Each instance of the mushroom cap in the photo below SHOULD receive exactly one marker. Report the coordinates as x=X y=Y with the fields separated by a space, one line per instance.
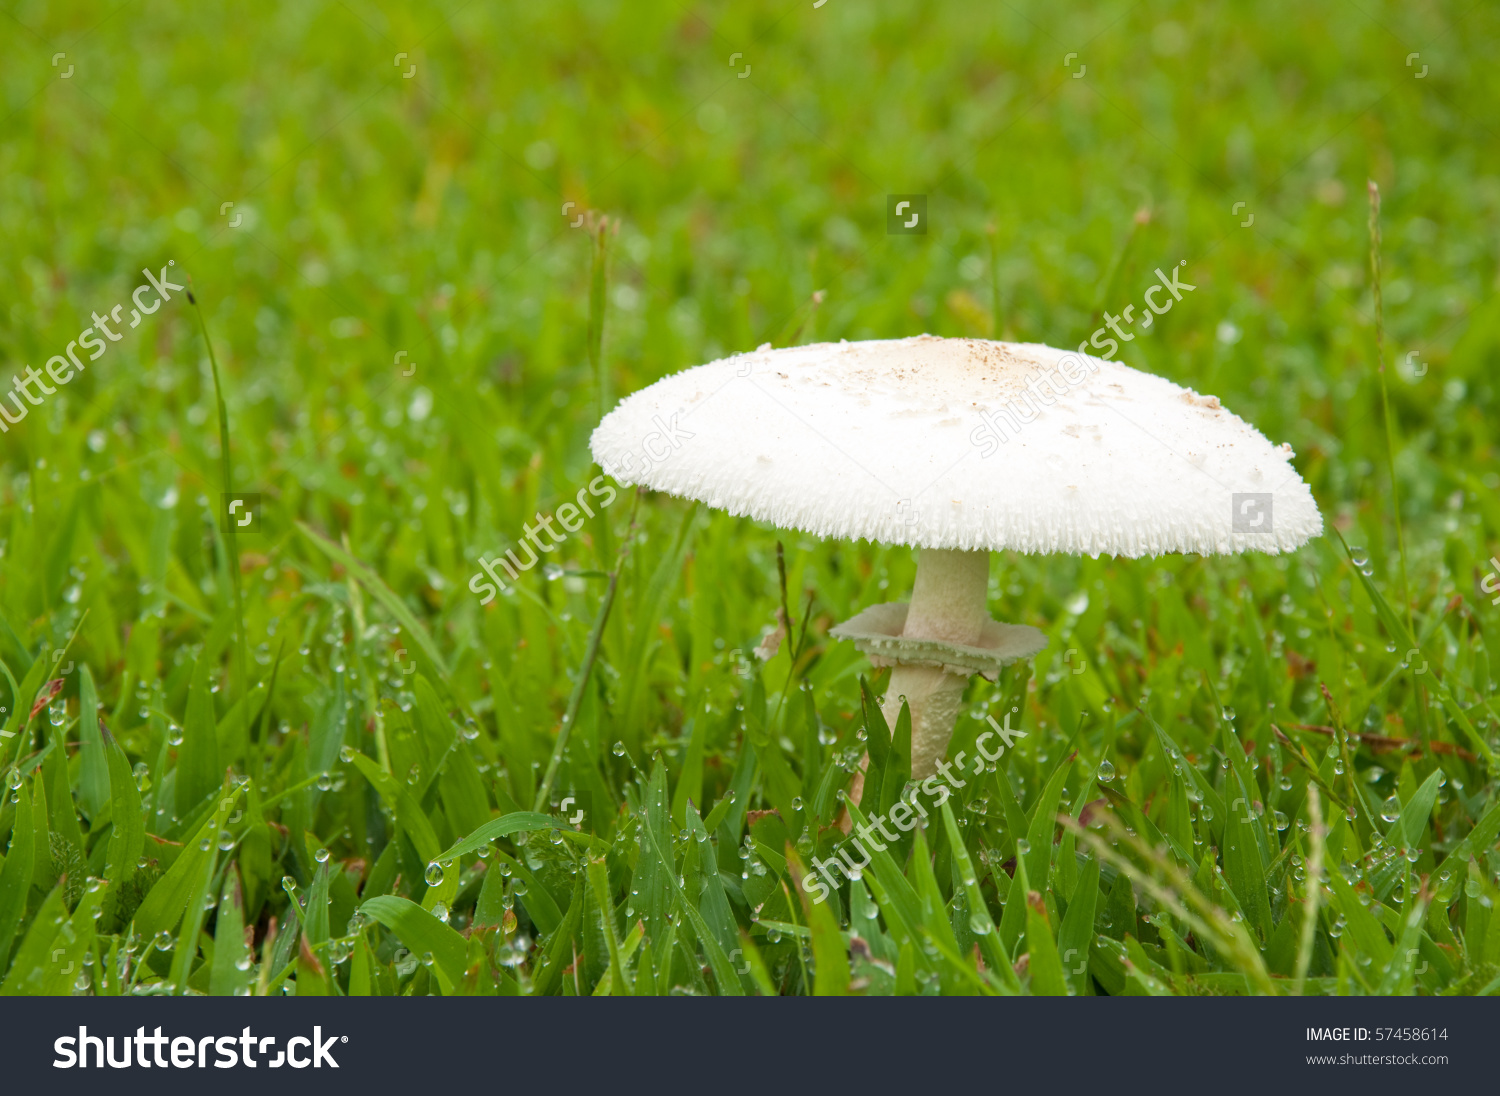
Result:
x=962 y=443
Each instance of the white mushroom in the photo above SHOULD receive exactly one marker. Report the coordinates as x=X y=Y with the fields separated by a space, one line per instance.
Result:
x=958 y=447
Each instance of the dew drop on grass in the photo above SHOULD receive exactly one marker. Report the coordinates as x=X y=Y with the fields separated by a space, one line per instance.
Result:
x=1285 y=783
x=980 y=924
x=226 y=840
x=325 y=781
x=321 y=856
x=346 y=754
x=1023 y=847
x=1282 y=821
x=1206 y=813
x=1390 y=810
x=440 y=911
x=618 y=749
x=163 y=941
x=520 y=887
x=796 y=803
x=1105 y=772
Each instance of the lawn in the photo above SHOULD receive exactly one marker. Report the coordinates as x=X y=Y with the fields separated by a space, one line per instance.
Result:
x=265 y=734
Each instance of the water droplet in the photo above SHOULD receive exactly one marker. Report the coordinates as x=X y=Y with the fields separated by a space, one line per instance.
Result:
x=1206 y=813
x=321 y=856
x=1023 y=847
x=1413 y=855
x=244 y=962
x=204 y=845
x=174 y=735
x=1282 y=821
x=346 y=754
x=619 y=749
x=1228 y=715
x=1285 y=783
x=325 y=781
x=440 y=911
x=164 y=941
x=226 y=840
x=1338 y=766
x=520 y=886
x=433 y=874
x=1105 y=772
x=796 y=803
x=980 y=924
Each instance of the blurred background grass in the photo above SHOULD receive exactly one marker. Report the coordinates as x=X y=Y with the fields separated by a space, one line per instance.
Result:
x=400 y=178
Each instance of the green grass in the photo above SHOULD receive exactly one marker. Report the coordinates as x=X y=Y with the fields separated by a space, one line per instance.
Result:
x=288 y=725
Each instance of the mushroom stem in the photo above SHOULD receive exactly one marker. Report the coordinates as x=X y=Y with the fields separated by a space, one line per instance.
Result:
x=948 y=602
